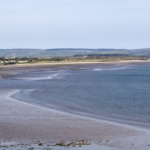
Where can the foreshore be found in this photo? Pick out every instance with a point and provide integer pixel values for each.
(23, 125)
(123, 62)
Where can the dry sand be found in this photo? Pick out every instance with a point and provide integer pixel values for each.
(24, 125)
(75, 63)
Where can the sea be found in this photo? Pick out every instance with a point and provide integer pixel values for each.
(119, 93)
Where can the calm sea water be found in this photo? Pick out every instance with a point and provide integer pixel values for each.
(112, 92)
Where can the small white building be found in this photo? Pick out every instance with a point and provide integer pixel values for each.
(22, 61)
(12, 61)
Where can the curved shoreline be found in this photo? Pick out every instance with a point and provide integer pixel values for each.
(114, 120)
(51, 126)
(118, 122)
(22, 122)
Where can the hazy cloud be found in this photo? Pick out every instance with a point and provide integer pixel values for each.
(74, 23)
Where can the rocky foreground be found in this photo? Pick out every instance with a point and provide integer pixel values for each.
(8, 145)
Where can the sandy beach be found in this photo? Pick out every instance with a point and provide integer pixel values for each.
(30, 124)
(24, 126)
(3, 68)
(74, 63)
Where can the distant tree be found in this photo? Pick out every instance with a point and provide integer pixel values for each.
(55, 59)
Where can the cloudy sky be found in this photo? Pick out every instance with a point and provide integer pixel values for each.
(75, 24)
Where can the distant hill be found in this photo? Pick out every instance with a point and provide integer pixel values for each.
(61, 52)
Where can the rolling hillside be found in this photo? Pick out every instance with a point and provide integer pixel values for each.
(61, 52)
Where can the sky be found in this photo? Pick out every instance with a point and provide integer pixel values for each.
(75, 24)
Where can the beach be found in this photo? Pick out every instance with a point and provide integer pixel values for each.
(73, 63)
(24, 125)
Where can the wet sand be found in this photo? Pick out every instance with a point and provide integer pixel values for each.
(7, 69)
(26, 123)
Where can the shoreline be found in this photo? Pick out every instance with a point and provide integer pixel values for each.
(115, 120)
(3, 68)
(76, 115)
(73, 63)
(132, 125)
(96, 131)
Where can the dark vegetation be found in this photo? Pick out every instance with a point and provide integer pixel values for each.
(13, 56)
(71, 59)
(64, 52)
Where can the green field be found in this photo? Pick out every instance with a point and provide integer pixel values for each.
(70, 52)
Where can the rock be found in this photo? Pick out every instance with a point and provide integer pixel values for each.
(82, 142)
(60, 144)
(69, 144)
(73, 144)
(40, 144)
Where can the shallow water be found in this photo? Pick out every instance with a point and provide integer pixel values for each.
(112, 92)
